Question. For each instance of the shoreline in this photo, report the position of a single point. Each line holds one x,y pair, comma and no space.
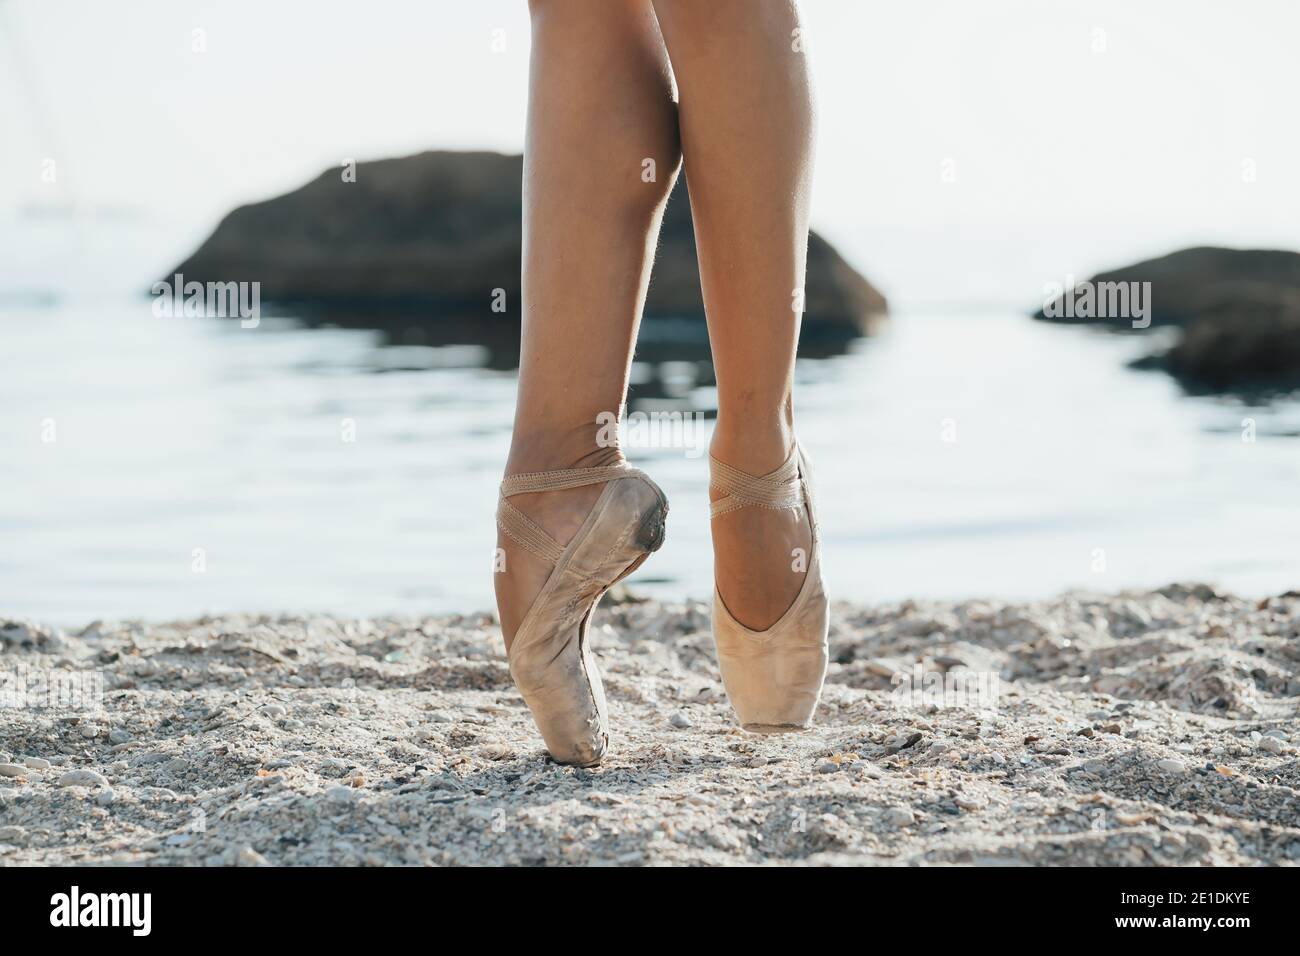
1139,728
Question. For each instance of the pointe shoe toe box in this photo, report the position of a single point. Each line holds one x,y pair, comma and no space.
774,677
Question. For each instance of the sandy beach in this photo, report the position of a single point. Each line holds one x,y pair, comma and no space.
1131,729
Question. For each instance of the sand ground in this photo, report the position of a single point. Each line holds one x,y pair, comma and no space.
1139,728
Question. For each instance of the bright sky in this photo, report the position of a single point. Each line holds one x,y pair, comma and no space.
968,148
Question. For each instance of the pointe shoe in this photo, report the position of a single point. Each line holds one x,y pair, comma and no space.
774,676
550,658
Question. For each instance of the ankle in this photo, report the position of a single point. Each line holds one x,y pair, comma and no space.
754,444
551,448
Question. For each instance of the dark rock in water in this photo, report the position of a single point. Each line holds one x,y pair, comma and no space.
1237,311
1249,343
1185,284
442,230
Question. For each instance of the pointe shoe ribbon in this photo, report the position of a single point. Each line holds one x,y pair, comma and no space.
773,676
550,658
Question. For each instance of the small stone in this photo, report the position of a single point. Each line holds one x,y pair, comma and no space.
337,794
680,721
970,802
1270,745
12,770
118,736
37,763
757,762
1169,765
274,711
250,857
88,730
106,798
827,766
82,778
998,758
901,742
12,835
333,767
899,817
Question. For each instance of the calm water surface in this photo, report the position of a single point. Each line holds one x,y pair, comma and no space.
172,435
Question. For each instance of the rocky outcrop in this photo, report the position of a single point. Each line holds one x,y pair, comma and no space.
1237,310
1185,285
1249,342
442,230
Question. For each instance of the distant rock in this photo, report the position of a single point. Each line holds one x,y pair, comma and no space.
442,230
1238,314
1187,283
1244,344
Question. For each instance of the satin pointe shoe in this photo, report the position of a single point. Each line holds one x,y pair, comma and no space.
550,658
774,676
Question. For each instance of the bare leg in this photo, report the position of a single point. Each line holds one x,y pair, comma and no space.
599,106
746,119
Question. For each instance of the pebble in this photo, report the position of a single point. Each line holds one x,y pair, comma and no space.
827,766
997,757
337,794
757,762
273,711
680,721
88,730
118,736
12,834
899,817
970,803
1171,766
37,763
82,778
12,770
250,857
106,797
1270,745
